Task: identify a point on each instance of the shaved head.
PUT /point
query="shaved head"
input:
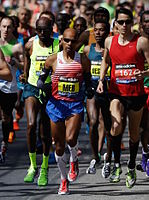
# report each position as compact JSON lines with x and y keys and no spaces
{"x":70,"y":31}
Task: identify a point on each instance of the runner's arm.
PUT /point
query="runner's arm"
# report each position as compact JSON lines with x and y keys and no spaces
{"x":49,"y":66}
{"x":27,"y":52}
{"x":86,"y":64}
{"x":104,"y":65}
{"x":143,"y":47}
{"x":5,"y":72}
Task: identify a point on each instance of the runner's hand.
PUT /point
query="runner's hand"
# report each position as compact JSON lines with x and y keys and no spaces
{"x":22,"y":78}
{"x":139,"y":74}
{"x":100,"y":87}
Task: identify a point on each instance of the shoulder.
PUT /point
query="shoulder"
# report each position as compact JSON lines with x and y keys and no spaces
{"x":29,"y":45}
{"x":84,"y":58}
{"x":84,"y":35}
{"x":18,"y":48}
{"x":51,"y":61}
{"x":52,"y":58}
{"x":142,"y":44}
{"x":86,"y":49}
{"x":108,"y":42}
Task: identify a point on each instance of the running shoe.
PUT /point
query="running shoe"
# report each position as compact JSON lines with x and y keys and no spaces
{"x":4,"y":147}
{"x":147,"y":168}
{"x":139,"y":167}
{"x":131,"y":178}
{"x":43,"y":177}
{"x":73,"y":171}
{"x":91,"y":169}
{"x":11,"y":137}
{"x":144,"y":161}
{"x":115,"y":177}
{"x":106,"y":170}
{"x":31,"y":174}
{"x":16,"y":125}
{"x":63,"y":190}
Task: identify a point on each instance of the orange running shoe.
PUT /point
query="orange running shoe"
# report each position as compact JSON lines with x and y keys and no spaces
{"x":63,"y":190}
{"x":11,"y":137}
{"x":16,"y":125}
{"x":73,"y":171}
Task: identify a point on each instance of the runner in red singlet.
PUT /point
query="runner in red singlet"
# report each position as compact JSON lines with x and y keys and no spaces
{"x":126,"y":52}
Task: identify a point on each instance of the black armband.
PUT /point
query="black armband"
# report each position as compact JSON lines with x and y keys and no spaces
{"x":89,"y":90}
{"x":43,"y":76}
{"x":87,"y":79}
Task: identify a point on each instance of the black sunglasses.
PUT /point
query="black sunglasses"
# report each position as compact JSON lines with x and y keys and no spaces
{"x":67,"y":40}
{"x":67,"y":7}
{"x":39,"y":30}
{"x":127,"y":22}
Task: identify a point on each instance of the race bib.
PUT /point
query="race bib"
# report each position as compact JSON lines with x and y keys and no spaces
{"x":68,"y":86}
{"x":39,"y":64}
{"x":95,"y":70}
{"x":124,"y":73}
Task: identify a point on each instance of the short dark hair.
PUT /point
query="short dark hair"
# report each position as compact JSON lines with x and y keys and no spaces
{"x":143,"y":13}
{"x":124,"y":11}
{"x":47,"y":12}
{"x":49,"y":22}
{"x":2,"y":14}
{"x":81,"y":19}
{"x":104,"y":11}
{"x":104,"y":22}
{"x":8,"y":17}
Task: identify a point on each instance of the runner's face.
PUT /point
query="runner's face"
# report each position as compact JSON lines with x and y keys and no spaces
{"x":124,"y":24}
{"x":145,"y":23}
{"x":68,"y":8}
{"x":6,"y":28}
{"x":69,"y":40}
{"x":23,"y":16}
{"x":100,"y":32}
{"x":79,"y":26}
{"x":43,"y":31}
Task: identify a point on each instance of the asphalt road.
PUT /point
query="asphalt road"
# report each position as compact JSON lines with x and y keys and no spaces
{"x":86,"y":187}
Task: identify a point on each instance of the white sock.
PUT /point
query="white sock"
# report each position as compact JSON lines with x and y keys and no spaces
{"x":61,"y":163}
{"x":73,"y":153}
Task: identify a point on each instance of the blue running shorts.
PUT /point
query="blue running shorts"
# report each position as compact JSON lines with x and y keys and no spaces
{"x":59,"y":110}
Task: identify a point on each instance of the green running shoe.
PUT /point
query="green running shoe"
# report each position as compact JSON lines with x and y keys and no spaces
{"x":43,"y":177}
{"x":131,"y":178}
{"x":115,"y":177}
{"x":31,"y":173}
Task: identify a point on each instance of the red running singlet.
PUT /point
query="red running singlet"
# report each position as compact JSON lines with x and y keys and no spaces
{"x":125,"y":60}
